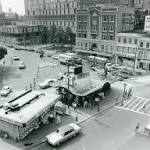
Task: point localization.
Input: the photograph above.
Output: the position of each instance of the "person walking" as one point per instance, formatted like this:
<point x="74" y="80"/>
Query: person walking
<point x="137" y="127"/>
<point x="75" y="106"/>
<point x="58" y="120"/>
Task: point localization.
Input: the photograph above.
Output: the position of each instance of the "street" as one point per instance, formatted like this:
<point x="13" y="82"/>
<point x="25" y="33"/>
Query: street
<point x="111" y="130"/>
<point x="116" y="125"/>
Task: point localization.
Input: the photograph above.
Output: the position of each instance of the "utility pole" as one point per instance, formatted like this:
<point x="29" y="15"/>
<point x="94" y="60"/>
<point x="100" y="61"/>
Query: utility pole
<point x="68" y="75"/>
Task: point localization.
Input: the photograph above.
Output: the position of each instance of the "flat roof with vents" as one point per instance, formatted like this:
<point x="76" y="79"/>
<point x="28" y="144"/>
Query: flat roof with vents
<point x="28" y="106"/>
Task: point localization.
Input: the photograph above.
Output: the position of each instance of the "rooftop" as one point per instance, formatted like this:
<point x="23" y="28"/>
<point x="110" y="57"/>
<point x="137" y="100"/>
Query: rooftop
<point x="31" y="105"/>
<point x="134" y="34"/>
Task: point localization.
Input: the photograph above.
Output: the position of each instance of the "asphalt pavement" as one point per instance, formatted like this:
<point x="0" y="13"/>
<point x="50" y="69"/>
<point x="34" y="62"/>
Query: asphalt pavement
<point x="111" y="130"/>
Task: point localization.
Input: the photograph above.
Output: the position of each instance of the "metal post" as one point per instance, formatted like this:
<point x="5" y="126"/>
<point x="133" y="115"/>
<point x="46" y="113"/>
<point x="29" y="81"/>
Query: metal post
<point x="124" y="89"/>
<point x="68" y="75"/>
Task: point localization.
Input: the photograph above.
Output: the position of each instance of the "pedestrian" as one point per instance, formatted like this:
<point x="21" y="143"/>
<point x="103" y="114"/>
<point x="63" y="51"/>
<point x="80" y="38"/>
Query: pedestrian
<point x="74" y="106"/>
<point x="58" y="120"/>
<point x="137" y="127"/>
<point x="144" y="107"/>
<point x="85" y="104"/>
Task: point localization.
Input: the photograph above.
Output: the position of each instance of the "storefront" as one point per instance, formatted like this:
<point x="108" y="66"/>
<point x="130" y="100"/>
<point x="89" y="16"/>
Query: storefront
<point x="33" y="110"/>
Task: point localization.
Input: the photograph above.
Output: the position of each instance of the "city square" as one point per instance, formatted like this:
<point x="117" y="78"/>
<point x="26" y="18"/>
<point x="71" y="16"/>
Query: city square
<point x="74" y="75"/>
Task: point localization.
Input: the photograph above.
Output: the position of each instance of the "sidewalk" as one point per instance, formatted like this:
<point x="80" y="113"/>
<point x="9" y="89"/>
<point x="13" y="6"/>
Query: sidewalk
<point x="77" y="114"/>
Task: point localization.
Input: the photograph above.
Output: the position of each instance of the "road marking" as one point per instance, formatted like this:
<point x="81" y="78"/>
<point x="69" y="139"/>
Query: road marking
<point x="136" y="104"/>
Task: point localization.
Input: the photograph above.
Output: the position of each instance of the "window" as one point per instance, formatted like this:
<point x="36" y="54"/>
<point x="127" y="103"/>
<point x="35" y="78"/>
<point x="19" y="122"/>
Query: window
<point x="102" y="48"/>
<point x="111" y="18"/>
<point x="130" y="41"/>
<point x="141" y="44"/>
<point x="111" y="37"/>
<point x="104" y="37"/>
<point x="124" y="40"/>
<point x="119" y="39"/>
<point x="111" y="28"/>
<point x="104" y="18"/>
<point x="104" y="29"/>
<point x="147" y="45"/>
<point x="85" y="45"/>
<point x="135" y="41"/>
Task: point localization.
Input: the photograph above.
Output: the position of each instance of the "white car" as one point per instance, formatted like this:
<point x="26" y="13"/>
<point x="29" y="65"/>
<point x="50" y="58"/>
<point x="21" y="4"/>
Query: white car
<point x="16" y="58"/>
<point x="47" y="83"/>
<point x="6" y="90"/>
<point x="55" y="57"/>
<point x="21" y="65"/>
<point x="62" y="134"/>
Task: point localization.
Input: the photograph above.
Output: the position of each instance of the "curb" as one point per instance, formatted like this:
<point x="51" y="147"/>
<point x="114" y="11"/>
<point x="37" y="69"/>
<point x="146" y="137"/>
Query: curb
<point x="107" y="108"/>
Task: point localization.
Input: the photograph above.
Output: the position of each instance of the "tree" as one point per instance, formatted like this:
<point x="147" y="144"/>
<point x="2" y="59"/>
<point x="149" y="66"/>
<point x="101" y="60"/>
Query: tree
<point x="52" y="33"/>
<point x="70" y="37"/>
<point x="139" y="19"/>
<point x="44" y="36"/>
<point x="3" y="52"/>
<point x="60" y="36"/>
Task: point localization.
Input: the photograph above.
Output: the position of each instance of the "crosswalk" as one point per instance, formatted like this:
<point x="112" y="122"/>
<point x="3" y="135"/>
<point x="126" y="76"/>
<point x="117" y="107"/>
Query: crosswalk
<point x="137" y="104"/>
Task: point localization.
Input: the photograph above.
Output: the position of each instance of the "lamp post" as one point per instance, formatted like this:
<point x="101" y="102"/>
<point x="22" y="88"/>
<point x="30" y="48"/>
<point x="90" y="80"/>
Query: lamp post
<point x="124" y="90"/>
<point x="68" y="67"/>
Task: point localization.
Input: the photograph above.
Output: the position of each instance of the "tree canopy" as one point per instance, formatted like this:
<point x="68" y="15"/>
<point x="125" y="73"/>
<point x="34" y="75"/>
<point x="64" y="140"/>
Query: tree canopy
<point x="57" y="35"/>
<point x="3" y="52"/>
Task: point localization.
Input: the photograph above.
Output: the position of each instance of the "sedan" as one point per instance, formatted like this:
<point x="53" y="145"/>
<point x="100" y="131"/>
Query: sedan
<point x="21" y="65"/>
<point x="16" y="58"/>
<point x="63" y="134"/>
<point x="6" y="90"/>
<point x="47" y="83"/>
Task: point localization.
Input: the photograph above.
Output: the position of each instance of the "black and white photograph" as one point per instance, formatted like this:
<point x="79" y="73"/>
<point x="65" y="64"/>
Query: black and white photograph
<point x="74" y="74"/>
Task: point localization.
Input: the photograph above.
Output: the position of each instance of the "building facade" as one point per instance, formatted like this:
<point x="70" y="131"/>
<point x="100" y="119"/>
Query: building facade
<point x="49" y="12"/>
<point x="133" y="50"/>
<point x="26" y="113"/>
<point x="87" y="3"/>
<point x="20" y="34"/>
<point x="97" y="27"/>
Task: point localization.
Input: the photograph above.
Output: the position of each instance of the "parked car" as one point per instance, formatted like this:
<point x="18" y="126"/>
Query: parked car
<point x="16" y="58"/>
<point x="55" y="57"/>
<point x="21" y="65"/>
<point x="63" y="134"/>
<point x="47" y="83"/>
<point x="60" y="108"/>
<point x="6" y="90"/>
<point x="61" y="76"/>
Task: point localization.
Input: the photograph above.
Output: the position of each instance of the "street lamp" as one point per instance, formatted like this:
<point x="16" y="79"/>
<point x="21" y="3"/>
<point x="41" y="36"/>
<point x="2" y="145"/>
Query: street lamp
<point x="68" y="67"/>
<point x="124" y="90"/>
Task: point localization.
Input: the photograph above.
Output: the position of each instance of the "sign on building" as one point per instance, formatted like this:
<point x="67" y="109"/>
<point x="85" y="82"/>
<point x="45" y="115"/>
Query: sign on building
<point x="147" y="24"/>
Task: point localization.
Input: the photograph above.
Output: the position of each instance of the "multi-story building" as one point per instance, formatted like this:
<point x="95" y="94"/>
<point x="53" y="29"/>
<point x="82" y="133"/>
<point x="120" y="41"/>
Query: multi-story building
<point x="49" y="12"/>
<point x="20" y="34"/>
<point x="97" y="27"/>
<point x="87" y="3"/>
<point x="133" y="50"/>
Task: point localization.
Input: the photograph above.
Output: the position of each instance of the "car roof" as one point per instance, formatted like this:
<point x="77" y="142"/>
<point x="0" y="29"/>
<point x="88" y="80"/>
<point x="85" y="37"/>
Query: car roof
<point x="6" y="87"/>
<point x="65" y="128"/>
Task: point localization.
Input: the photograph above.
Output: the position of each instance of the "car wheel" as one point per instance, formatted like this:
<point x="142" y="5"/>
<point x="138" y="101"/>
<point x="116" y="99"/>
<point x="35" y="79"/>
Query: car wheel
<point x="57" y="144"/>
<point x="74" y="134"/>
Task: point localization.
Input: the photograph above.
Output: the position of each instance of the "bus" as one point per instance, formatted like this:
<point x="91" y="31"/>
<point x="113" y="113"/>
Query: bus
<point x="69" y="58"/>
